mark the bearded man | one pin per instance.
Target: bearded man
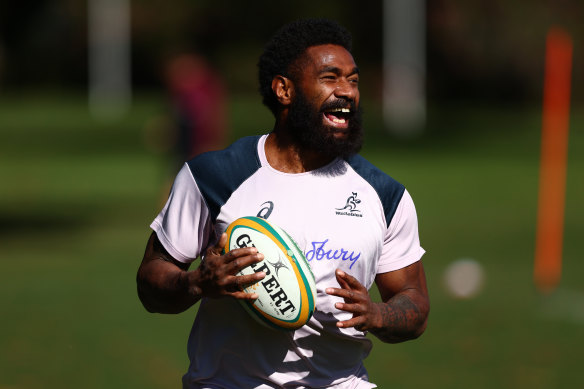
(306, 177)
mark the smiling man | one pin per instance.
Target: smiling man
(356, 225)
(325, 113)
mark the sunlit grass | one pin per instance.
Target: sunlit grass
(78, 195)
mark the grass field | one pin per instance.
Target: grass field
(77, 196)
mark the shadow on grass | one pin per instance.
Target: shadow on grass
(27, 224)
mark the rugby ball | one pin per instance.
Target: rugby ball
(287, 294)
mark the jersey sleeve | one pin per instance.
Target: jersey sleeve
(401, 245)
(183, 226)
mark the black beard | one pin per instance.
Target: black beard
(309, 131)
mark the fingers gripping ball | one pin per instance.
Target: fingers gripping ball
(287, 293)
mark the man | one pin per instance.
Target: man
(354, 223)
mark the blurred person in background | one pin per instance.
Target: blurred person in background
(198, 99)
(355, 224)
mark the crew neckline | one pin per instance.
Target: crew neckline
(264, 161)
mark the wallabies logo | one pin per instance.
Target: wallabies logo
(350, 208)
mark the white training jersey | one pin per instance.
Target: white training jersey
(347, 215)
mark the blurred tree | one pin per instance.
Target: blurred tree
(477, 49)
(493, 50)
(43, 43)
(231, 34)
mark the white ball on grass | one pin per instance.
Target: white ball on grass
(464, 278)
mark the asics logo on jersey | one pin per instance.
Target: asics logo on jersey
(266, 211)
(350, 208)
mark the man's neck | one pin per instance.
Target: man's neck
(285, 155)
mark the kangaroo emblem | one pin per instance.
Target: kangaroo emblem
(352, 202)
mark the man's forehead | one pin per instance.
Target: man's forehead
(328, 55)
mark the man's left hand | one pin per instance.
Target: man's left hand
(366, 313)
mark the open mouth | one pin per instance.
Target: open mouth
(339, 117)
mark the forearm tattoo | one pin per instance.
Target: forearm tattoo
(402, 320)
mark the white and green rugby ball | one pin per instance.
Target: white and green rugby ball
(287, 294)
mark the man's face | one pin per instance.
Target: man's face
(324, 114)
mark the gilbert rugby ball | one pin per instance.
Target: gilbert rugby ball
(287, 294)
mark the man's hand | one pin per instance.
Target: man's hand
(366, 313)
(401, 316)
(166, 286)
(215, 277)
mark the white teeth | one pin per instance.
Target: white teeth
(335, 119)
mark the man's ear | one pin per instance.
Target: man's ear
(283, 88)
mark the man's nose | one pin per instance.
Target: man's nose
(346, 89)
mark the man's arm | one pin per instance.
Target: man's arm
(405, 306)
(401, 316)
(165, 285)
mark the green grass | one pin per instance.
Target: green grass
(77, 196)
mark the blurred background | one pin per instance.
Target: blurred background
(98, 100)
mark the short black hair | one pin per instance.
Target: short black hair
(288, 44)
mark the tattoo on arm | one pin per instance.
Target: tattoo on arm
(165, 256)
(162, 288)
(402, 320)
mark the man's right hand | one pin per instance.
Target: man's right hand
(215, 276)
(166, 286)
